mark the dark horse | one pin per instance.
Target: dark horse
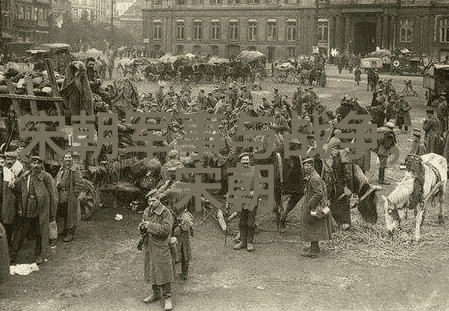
(289, 180)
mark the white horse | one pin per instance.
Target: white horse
(434, 191)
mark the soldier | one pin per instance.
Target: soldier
(297, 100)
(39, 200)
(277, 99)
(431, 127)
(314, 228)
(160, 94)
(170, 195)
(201, 100)
(442, 113)
(247, 222)
(69, 184)
(245, 94)
(357, 75)
(403, 117)
(187, 89)
(418, 147)
(384, 150)
(155, 228)
(8, 206)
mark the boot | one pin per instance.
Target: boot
(154, 295)
(312, 251)
(249, 243)
(382, 176)
(185, 270)
(243, 239)
(69, 236)
(168, 304)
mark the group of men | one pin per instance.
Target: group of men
(33, 203)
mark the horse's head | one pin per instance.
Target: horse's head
(392, 219)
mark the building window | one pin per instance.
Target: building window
(157, 30)
(405, 30)
(180, 2)
(215, 1)
(444, 30)
(252, 30)
(196, 49)
(180, 30)
(233, 31)
(198, 2)
(322, 31)
(197, 30)
(234, 1)
(291, 30)
(291, 52)
(253, 1)
(272, 30)
(179, 49)
(272, 1)
(28, 13)
(215, 30)
(214, 50)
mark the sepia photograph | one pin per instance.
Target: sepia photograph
(229, 155)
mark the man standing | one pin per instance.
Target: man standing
(384, 150)
(442, 113)
(297, 100)
(155, 228)
(431, 127)
(314, 229)
(69, 184)
(182, 217)
(418, 147)
(8, 207)
(403, 113)
(247, 222)
(201, 101)
(357, 75)
(39, 202)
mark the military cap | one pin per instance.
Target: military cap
(35, 157)
(307, 160)
(416, 132)
(244, 154)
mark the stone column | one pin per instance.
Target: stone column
(378, 32)
(348, 33)
(385, 39)
(338, 34)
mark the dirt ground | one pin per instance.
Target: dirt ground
(102, 269)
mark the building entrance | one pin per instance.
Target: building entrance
(364, 38)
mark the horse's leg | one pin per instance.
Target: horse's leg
(418, 222)
(294, 199)
(440, 210)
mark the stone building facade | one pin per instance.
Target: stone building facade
(289, 28)
(26, 20)
(211, 27)
(93, 10)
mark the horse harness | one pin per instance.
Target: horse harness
(438, 182)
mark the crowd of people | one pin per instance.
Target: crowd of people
(32, 200)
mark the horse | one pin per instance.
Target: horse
(434, 191)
